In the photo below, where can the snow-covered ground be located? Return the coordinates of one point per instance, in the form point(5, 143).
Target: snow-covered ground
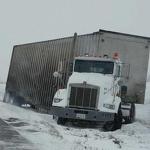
point(147, 94)
point(45, 134)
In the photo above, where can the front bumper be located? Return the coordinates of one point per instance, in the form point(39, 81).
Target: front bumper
point(82, 114)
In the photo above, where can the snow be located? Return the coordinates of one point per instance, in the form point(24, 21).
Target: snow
point(45, 134)
point(2, 89)
point(147, 95)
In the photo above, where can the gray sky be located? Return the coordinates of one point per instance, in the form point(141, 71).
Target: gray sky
point(23, 21)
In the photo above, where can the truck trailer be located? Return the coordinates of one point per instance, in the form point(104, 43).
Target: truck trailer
point(41, 71)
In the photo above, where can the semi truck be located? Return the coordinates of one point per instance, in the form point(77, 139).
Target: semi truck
point(95, 92)
point(38, 71)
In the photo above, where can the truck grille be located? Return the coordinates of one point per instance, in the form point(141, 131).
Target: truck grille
point(83, 97)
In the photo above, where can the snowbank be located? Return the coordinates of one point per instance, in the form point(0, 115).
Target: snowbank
point(45, 134)
point(43, 131)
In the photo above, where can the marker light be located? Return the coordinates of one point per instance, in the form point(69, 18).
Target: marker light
point(105, 56)
point(115, 55)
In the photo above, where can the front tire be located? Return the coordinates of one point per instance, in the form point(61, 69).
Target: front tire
point(116, 123)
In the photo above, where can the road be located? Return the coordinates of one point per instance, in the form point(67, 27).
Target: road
point(11, 139)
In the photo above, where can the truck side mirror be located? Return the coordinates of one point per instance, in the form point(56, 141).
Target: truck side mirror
point(120, 82)
point(56, 74)
point(123, 91)
point(125, 73)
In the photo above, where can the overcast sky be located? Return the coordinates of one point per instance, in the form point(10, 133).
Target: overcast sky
point(23, 21)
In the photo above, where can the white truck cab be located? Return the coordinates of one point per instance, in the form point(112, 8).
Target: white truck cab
point(92, 93)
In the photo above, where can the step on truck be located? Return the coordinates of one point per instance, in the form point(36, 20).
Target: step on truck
point(95, 92)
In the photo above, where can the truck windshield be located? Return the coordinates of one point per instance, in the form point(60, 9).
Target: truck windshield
point(104, 67)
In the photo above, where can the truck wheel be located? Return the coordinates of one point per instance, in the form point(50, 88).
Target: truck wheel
point(116, 124)
point(131, 117)
point(61, 121)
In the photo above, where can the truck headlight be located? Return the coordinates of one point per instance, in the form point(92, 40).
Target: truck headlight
point(57, 100)
point(109, 106)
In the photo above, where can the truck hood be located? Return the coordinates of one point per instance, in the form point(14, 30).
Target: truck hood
point(92, 79)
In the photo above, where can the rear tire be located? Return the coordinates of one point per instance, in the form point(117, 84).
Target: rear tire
point(131, 117)
point(116, 124)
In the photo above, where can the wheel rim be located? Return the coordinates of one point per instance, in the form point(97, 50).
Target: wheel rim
point(109, 126)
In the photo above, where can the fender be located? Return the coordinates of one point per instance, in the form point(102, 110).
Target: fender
point(60, 98)
point(116, 103)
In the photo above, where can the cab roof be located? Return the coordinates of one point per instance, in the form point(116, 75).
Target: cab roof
point(90, 58)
